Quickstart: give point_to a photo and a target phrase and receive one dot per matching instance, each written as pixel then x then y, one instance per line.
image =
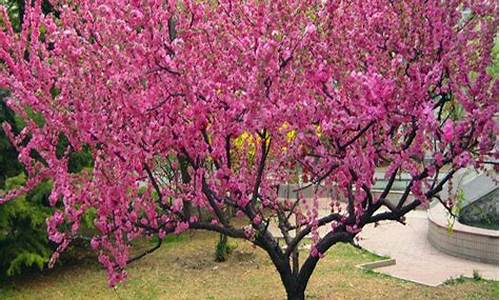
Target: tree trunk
pixel 294 289
pixel 295 295
pixel 296 284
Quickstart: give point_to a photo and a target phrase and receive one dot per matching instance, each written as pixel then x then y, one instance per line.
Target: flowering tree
pixel 195 108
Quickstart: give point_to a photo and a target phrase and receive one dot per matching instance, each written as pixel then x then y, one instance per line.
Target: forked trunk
pixel 294 290
pixel 296 295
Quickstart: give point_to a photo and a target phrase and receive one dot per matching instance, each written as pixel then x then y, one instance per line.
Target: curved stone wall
pixel 463 241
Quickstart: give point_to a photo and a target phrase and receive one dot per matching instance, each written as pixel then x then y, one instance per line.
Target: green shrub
pixel 23 237
pixel 224 248
pixel 476 275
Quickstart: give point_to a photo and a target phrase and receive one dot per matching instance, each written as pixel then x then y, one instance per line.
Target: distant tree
pixel 245 92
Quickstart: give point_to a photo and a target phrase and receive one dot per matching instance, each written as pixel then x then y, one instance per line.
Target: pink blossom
pixel 353 229
pixel 448 132
pixel 315 252
pixel 94 243
pixel 249 232
pixel 177 205
pixel 181 227
pixel 463 159
pixel 257 220
pixel 310 28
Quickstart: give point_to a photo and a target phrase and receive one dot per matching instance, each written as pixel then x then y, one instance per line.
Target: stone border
pixel 467 242
pixel 377 264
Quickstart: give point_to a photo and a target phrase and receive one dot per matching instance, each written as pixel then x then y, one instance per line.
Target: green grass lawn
pixel 185 268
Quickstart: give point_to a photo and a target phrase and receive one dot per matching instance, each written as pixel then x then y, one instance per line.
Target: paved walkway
pixel 416 259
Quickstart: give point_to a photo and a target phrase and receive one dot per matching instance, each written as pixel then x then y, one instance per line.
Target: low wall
pixel 464 241
pixel 290 191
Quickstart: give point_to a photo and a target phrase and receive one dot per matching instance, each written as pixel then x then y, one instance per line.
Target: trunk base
pixel 296 296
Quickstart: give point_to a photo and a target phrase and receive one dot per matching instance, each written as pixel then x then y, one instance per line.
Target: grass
pixel 184 268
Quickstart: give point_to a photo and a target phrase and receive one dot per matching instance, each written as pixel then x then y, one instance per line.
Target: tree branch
pixel 262 165
pixel 322 246
pixel 149 251
pixel 323 221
